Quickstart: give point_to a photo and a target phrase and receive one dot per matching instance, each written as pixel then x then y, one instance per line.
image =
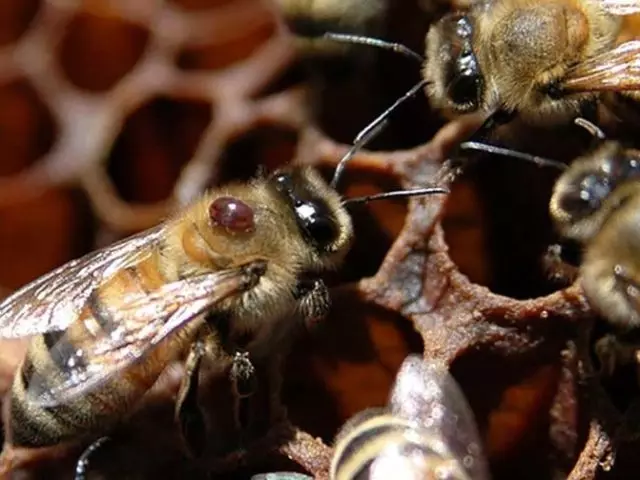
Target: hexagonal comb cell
pixel 156 142
pixel 15 18
pixel 226 52
pixel 98 50
pixel 263 146
pixel 27 128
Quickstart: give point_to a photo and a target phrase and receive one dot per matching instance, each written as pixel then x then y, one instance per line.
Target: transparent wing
pixel 615 70
pixel 426 392
pixel 621 7
pixel 54 300
pixel 142 321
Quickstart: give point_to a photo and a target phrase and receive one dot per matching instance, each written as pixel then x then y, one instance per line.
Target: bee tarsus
pixel 243 375
pixel 83 460
pixel 314 300
pixel 557 269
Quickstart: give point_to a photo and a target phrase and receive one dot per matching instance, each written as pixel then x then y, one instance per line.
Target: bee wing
pixel 427 393
pixel 142 321
pixel 620 7
pixel 53 301
pixel 617 69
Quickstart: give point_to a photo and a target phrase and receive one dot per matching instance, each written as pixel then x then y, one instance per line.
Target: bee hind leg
pixel 83 461
pixel 613 352
pixel 188 415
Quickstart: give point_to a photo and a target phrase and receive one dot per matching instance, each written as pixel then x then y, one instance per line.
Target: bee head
pixel 454 78
pixel 592 188
pixel 322 220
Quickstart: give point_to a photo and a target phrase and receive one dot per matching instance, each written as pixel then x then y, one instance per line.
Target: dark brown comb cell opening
pixel 358 348
pixel 97 51
pixel 15 18
pixel 27 128
pixel 60 216
pixel 375 224
pixel 265 146
pixel 156 142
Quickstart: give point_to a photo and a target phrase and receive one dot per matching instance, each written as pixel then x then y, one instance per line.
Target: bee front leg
pixel 243 375
pixel 188 414
pixel 557 269
pixel 83 461
pixel 314 300
pixel 613 352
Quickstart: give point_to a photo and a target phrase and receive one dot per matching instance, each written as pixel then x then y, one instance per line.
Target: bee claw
pixel 243 374
pixel 83 461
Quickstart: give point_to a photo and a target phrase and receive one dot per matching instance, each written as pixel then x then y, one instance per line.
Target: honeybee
pixel 596 203
pixel 308 20
pixel 544 61
pixel 427 431
pixel 541 60
pixel 223 279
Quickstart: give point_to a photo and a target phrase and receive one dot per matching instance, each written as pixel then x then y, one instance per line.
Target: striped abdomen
pixel 102 408
pixel 386 446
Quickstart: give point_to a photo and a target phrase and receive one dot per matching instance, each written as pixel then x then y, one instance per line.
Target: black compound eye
pixel 317 222
pixel 587 198
pixel 465 89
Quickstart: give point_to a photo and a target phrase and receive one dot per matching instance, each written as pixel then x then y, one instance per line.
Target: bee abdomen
pixel 34 426
pixel 53 352
pixel 388 437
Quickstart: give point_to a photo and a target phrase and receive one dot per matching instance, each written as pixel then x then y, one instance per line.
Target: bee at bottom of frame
pixel 426 432
pixel 222 279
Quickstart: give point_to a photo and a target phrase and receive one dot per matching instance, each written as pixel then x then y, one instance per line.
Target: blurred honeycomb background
pixel 114 113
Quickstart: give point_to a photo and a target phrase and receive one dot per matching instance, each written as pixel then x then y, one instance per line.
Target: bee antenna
pixel 374 42
pixel 369 132
pixel 590 127
pixel 372 130
pixel 395 194
pixel 506 152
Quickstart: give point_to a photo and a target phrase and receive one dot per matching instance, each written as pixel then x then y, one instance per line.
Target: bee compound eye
pixel 464 90
pixel 317 222
pixel 232 214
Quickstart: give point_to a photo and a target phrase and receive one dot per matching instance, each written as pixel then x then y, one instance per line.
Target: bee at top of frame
pixel 546 61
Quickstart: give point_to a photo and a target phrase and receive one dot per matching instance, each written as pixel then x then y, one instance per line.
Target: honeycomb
pixel 116 113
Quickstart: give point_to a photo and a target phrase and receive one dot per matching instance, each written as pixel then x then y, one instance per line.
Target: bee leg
pixel 83 461
pixel 243 374
pixel 188 414
pixel 245 383
pixel 314 301
pixel 612 352
pixel 557 269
